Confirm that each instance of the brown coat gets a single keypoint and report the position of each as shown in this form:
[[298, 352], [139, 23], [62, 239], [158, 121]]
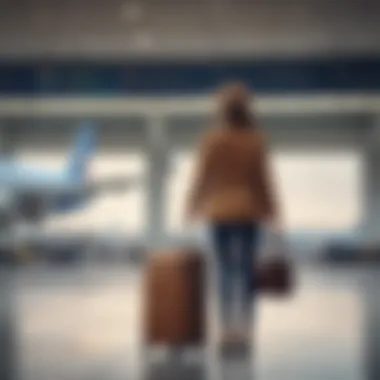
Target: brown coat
[[232, 181]]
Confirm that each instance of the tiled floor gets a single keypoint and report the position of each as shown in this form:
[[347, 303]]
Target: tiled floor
[[85, 324]]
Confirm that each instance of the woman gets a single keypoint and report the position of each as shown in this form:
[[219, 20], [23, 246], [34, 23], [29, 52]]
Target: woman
[[233, 192]]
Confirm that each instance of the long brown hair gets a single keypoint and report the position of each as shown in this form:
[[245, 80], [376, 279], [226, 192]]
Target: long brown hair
[[235, 106]]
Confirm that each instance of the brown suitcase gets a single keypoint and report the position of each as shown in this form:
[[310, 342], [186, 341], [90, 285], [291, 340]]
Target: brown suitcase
[[174, 298]]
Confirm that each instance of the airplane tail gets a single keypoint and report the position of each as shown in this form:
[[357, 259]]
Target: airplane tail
[[83, 150]]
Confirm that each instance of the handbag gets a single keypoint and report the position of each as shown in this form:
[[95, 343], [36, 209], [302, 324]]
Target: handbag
[[273, 274]]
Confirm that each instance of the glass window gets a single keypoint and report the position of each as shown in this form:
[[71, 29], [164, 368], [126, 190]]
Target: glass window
[[315, 189], [319, 189], [124, 212]]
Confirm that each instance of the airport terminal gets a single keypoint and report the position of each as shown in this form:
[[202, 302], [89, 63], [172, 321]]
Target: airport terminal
[[101, 109]]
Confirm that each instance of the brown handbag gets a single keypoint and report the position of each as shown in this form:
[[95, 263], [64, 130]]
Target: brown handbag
[[274, 275]]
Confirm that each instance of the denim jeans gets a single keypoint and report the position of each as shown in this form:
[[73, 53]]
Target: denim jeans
[[235, 246]]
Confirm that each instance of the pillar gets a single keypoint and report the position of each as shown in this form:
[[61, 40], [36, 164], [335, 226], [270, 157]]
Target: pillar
[[371, 190], [371, 303], [157, 170], [7, 326], [371, 235], [7, 307]]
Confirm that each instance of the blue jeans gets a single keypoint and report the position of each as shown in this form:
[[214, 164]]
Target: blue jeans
[[235, 246]]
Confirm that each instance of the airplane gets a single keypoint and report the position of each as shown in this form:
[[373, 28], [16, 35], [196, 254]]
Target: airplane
[[29, 194]]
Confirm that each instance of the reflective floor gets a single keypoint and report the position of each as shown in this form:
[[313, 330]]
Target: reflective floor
[[85, 323]]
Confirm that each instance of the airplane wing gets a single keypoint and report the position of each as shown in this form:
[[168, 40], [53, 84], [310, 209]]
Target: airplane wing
[[90, 188], [115, 184], [34, 202]]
